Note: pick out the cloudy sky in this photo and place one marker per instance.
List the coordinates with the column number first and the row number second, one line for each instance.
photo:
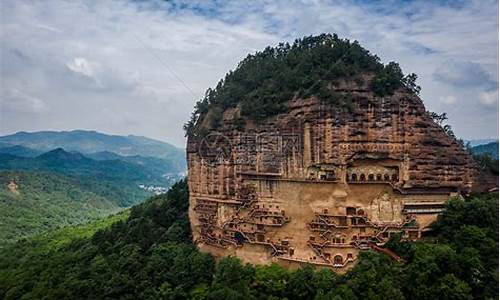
column 137, row 67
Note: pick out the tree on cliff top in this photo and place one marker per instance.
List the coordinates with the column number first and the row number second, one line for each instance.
column 263, row 82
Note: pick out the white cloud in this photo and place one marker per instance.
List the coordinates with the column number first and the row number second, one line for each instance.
column 489, row 98
column 464, row 74
column 448, row 99
column 80, row 65
column 114, row 65
column 49, row 28
column 14, row 100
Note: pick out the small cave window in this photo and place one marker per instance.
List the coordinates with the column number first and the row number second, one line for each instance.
column 338, row 260
column 239, row 237
column 349, row 255
column 379, row 177
column 395, row 177
column 350, row 210
column 362, row 177
column 354, row 177
column 386, row 177
column 260, row 238
column 371, row 177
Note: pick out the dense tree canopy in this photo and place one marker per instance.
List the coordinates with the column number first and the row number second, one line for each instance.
column 263, row 82
column 149, row 255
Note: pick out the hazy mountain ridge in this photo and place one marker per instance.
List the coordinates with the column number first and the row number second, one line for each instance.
column 158, row 162
column 477, row 142
column 489, row 149
column 18, row 150
column 50, row 179
column 92, row 141
column 76, row 164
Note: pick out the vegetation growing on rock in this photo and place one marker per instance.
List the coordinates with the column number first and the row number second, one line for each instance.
column 150, row 256
column 263, row 82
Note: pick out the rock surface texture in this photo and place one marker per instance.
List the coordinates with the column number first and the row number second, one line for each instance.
column 318, row 184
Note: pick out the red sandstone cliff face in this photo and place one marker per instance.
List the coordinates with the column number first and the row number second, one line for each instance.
column 394, row 127
column 318, row 184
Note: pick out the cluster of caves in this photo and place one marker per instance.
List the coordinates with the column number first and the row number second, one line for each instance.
column 318, row 178
column 373, row 173
column 353, row 229
column 250, row 221
column 372, row 177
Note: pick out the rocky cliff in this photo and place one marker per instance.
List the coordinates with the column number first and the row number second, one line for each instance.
column 326, row 173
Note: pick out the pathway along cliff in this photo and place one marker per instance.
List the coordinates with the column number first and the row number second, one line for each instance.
column 311, row 152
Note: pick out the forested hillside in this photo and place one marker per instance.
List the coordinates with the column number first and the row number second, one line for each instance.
column 490, row 149
column 35, row 202
column 92, row 144
column 78, row 165
column 42, row 187
column 263, row 83
column 150, row 256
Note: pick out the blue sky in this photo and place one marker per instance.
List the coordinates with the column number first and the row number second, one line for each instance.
column 137, row 67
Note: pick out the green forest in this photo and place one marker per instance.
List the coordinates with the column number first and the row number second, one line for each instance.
column 148, row 254
column 263, row 82
column 35, row 202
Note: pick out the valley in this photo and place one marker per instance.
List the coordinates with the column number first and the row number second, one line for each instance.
column 44, row 190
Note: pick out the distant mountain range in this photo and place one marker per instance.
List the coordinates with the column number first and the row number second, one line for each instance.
column 160, row 157
column 477, row 142
column 50, row 179
column 91, row 141
column 490, row 149
column 77, row 165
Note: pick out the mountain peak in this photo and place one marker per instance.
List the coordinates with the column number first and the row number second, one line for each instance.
column 89, row 141
column 61, row 154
